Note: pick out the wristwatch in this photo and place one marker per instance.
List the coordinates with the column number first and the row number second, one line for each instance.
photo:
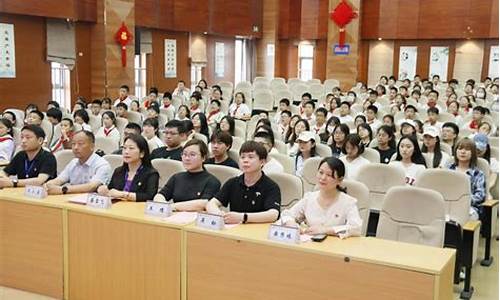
column 64, row 190
column 245, row 218
column 15, row 181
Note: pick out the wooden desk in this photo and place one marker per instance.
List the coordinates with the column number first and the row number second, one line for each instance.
column 101, row 254
column 240, row 263
column 31, row 245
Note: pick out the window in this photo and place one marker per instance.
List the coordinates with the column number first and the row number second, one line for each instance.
column 240, row 60
column 140, row 75
column 306, row 57
column 60, row 78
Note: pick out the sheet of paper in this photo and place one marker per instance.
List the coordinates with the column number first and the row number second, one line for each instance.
column 229, row 226
column 304, row 238
column 79, row 199
column 182, row 217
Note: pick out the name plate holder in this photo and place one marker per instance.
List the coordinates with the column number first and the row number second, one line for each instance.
column 35, row 191
column 210, row 221
column 158, row 209
column 98, row 201
column 284, row 234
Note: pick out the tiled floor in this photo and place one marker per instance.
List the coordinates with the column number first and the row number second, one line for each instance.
column 484, row 281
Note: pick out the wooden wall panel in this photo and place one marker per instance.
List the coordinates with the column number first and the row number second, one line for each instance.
column 32, row 83
column 364, row 53
column 80, row 75
column 156, row 61
column 319, row 68
column 228, row 59
column 370, row 19
column 147, row 13
column 494, row 19
column 429, row 19
column 46, row 8
column 323, row 19
column 191, row 15
column 309, row 19
column 86, row 10
column 407, row 21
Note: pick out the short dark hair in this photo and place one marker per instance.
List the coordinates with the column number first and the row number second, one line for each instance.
column 409, row 106
column 54, row 113
column 265, row 135
column 286, row 101
column 181, row 128
column 54, row 103
column 216, row 102
column 287, row 112
column 88, row 134
column 322, row 110
column 433, row 110
column 222, row 137
column 153, row 90
column 346, row 103
column 123, row 105
column 355, row 141
column 372, row 108
column 310, row 103
column 480, row 109
column 453, row 126
column 308, row 95
column 155, row 108
column 110, row 115
column 97, row 101
column 125, row 87
column 434, row 92
column 253, row 146
column 37, row 130
column 134, row 126
column 201, row 145
column 7, row 123
column 168, row 95
column 153, row 122
column 39, row 113
column 82, row 113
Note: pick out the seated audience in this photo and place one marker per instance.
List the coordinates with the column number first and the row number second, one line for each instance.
column 220, row 143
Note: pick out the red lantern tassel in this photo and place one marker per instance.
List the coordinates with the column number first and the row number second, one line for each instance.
column 124, row 56
column 341, row 37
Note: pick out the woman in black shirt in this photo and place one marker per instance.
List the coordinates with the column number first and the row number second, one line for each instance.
column 386, row 143
column 191, row 190
column 136, row 179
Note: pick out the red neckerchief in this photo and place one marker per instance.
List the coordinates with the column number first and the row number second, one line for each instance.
column 431, row 104
column 474, row 124
column 236, row 110
column 167, row 105
column 5, row 138
column 193, row 107
column 210, row 114
column 108, row 131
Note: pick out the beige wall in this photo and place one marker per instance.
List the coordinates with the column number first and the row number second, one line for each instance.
column 468, row 60
column 380, row 60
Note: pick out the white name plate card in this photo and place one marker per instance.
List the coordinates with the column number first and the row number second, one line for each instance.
column 97, row 201
column 34, row 191
column 158, row 209
column 210, row 221
column 284, row 234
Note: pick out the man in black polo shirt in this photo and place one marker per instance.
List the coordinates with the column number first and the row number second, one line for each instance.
column 175, row 133
column 252, row 197
column 221, row 142
column 32, row 165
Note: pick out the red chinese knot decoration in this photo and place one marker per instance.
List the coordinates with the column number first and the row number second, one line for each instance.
column 123, row 37
column 342, row 15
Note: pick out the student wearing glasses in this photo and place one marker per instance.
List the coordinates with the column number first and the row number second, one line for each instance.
column 175, row 133
column 191, row 190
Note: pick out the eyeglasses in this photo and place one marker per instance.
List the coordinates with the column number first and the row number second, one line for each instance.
column 167, row 132
column 190, row 154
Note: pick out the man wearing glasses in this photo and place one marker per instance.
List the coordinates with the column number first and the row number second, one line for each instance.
column 175, row 133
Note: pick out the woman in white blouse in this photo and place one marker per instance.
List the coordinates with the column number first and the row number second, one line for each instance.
column 353, row 161
column 7, row 145
column 108, row 128
column 329, row 210
column 238, row 109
